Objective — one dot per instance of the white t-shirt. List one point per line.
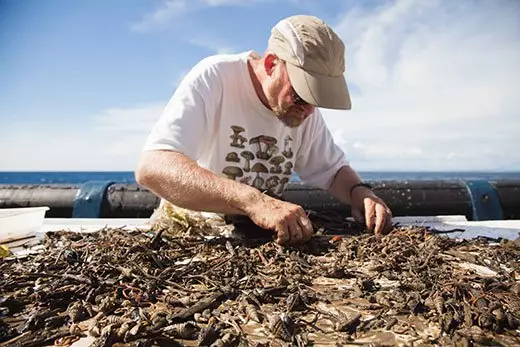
(216, 118)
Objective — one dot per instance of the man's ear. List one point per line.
(270, 62)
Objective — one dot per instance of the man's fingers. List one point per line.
(388, 224)
(370, 215)
(296, 233)
(283, 234)
(306, 227)
(381, 217)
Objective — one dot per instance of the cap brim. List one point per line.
(320, 90)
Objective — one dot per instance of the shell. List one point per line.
(187, 330)
(77, 312)
(438, 302)
(252, 313)
(279, 328)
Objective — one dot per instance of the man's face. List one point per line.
(283, 100)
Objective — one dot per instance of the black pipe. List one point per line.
(477, 200)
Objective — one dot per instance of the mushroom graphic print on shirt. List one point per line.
(237, 140)
(265, 146)
(248, 156)
(233, 157)
(276, 161)
(233, 172)
(272, 183)
(287, 151)
(259, 163)
(259, 181)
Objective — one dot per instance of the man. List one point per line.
(238, 125)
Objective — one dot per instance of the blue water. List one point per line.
(128, 176)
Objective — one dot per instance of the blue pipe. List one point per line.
(485, 202)
(90, 198)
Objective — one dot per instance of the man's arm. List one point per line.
(181, 181)
(365, 204)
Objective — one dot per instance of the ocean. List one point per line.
(43, 177)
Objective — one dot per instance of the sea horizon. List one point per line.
(75, 177)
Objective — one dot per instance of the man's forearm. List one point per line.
(181, 181)
(344, 180)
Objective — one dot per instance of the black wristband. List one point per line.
(361, 184)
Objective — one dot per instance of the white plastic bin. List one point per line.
(20, 222)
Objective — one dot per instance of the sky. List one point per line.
(434, 83)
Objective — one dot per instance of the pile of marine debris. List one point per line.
(115, 287)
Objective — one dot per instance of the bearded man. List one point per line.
(239, 125)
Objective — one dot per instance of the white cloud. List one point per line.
(212, 44)
(111, 140)
(170, 9)
(438, 86)
(161, 16)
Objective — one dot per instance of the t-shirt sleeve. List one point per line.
(319, 157)
(186, 122)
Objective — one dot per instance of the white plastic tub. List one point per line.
(20, 222)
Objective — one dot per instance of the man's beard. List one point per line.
(284, 113)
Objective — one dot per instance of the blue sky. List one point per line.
(434, 82)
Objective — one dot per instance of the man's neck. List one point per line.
(255, 73)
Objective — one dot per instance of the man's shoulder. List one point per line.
(213, 68)
(221, 61)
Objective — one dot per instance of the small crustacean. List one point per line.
(468, 316)
(481, 303)
(368, 285)
(187, 330)
(95, 330)
(250, 297)
(175, 300)
(226, 340)
(348, 324)
(279, 327)
(76, 312)
(391, 322)
(515, 288)
(106, 337)
(486, 321)
(208, 334)
(124, 329)
(293, 302)
(382, 299)
(75, 329)
(107, 305)
(438, 303)
(55, 321)
(199, 318)
(499, 314)
(367, 323)
(414, 303)
(263, 295)
(252, 313)
(448, 324)
(230, 248)
(512, 321)
(116, 321)
(133, 332)
(159, 320)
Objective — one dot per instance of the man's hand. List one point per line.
(368, 208)
(288, 220)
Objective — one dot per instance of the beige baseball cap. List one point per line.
(315, 58)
